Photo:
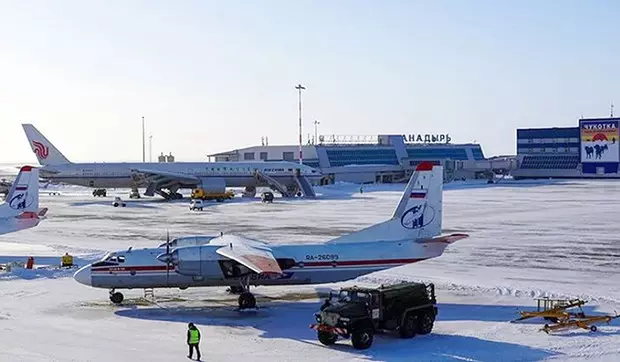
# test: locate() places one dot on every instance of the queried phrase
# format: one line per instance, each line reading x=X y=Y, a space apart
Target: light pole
x=299 y=87
x=151 y=148
x=316 y=140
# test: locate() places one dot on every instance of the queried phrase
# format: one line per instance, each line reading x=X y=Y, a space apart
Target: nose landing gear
x=116 y=297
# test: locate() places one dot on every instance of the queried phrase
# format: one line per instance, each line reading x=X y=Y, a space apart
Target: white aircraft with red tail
x=21 y=209
x=412 y=234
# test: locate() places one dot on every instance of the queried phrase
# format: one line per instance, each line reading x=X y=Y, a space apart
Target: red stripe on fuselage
x=306 y=264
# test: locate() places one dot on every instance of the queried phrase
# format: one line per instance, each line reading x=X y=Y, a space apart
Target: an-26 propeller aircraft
x=412 y=234
x=21 y=208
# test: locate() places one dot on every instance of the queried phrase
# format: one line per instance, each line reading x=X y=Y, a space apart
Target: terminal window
x=288 y=156
x=263 y=155
x=248 y=156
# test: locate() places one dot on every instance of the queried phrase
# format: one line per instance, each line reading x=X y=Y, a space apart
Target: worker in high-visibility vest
x=193 y=339
x=67 y=260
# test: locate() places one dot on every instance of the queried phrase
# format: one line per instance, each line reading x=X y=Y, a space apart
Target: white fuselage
x=234 y=174
x=301 y=264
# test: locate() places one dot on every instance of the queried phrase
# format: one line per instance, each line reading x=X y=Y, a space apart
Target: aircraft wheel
x=117 y=298
x=593 y=328
x=247 y=301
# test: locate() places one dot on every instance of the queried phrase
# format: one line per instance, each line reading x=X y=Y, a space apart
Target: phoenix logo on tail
x=40 y=149
x=21 y=201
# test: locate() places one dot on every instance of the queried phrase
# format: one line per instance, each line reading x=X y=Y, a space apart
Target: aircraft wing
x=257 y=258
x=167 y=177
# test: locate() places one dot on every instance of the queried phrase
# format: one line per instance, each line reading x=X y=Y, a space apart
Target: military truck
x=359 y=313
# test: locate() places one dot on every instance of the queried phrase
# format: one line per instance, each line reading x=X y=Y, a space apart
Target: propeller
x=167 y=256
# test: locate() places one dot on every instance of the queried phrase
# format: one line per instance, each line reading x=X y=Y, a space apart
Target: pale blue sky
x=215 y=75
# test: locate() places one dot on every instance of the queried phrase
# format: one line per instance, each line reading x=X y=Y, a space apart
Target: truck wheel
x=362 y=339
x=327 y=338
x=425 y=323
x=409 y=327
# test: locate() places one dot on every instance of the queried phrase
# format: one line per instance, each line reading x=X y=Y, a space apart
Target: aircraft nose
x=83 y=275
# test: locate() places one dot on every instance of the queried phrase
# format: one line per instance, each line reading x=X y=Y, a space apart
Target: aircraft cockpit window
x=121 y=259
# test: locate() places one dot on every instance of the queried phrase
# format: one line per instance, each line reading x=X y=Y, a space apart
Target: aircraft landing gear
x=116 y=297
x=246 y=299
x=134 y=194
x=235 y=289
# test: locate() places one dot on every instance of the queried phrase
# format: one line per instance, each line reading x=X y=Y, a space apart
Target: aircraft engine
x=194 y=261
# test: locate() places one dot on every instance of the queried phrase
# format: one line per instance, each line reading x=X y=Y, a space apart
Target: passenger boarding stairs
x=272 y=183
x=305 y=186
x=302 y=182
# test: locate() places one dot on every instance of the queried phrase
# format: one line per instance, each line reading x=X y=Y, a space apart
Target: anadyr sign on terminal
x=427 y=138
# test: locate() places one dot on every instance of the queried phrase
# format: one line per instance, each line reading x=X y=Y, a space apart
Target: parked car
x=99 y=193
x=118 y=202
x=196 y=204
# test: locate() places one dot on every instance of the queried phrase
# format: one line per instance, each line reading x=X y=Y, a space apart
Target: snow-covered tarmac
x=527 y=239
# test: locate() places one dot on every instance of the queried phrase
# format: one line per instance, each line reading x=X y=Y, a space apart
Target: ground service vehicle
x=359 y=313
x=196 y=205
x=201 y=194
x=99 y=192
x=267 y=197
x=118 y=202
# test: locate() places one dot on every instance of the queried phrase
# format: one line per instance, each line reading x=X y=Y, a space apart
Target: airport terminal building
x=590 y=150
x=371 y=159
